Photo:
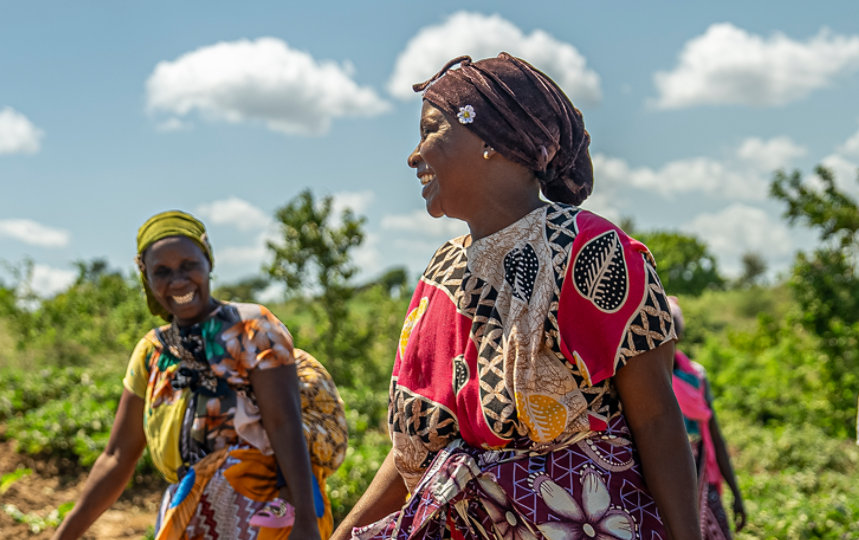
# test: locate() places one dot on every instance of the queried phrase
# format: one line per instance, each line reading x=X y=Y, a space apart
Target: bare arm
x=727 y=471
x=111 y=471
x=385 y=494
x=651 y=410
x=279 y=401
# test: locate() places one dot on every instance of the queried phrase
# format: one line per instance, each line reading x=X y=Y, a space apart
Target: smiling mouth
x=184 y=299
x=426 y=178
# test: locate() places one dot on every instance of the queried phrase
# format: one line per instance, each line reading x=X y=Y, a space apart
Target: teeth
x=426 y=179
x=184 y=299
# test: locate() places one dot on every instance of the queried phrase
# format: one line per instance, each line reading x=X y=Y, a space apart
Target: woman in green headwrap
x=233 y=415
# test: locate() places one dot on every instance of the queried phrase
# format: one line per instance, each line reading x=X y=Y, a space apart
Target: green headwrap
x=170 y=223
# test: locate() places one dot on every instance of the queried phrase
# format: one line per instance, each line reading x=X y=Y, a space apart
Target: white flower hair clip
x=466 y=114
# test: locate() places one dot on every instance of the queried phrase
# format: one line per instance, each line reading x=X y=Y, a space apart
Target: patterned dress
x=693 y=396
x=504 y=419
x=203 y=429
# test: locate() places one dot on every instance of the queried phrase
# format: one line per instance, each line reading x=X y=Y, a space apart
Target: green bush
x=791 y=445
x=63 y=412
x=24 y=391
x=365 y=455
x=796 y=481
x=74 y=422
x=102 y=312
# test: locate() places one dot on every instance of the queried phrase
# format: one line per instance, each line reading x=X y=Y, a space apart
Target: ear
x=488 y=151
x=140 y=266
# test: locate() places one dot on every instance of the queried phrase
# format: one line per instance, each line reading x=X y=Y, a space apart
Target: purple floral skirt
x=589 y=489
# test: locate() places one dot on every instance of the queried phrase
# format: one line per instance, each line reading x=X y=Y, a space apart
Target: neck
x=210 y=308
x=500 y=214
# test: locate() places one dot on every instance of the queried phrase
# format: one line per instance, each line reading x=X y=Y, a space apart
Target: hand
x=739 y=513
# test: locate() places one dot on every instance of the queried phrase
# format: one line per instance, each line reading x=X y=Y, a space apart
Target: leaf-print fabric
x=509 y=346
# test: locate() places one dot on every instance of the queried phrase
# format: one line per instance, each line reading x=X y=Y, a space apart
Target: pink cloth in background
x=694 y=406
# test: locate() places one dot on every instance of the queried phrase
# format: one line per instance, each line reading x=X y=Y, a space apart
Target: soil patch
x=49 y=486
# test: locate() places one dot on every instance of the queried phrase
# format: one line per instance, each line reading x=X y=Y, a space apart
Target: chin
x=194 y=313
x=435 y=212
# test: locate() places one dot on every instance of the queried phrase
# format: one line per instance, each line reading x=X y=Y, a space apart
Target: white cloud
x=260 y=81
x=34 y=233
x=846 y=174
x=770 y=155
x=415 y=236
x=368 y=259
x=605 y=203
x=739 y=229
x=17 y=134
x=482 y=36
x=419 y=223
x=850 y=146
x=234 y=212
x=729 y=66
x=47 y=281
x=173 y=124
x=745 y=175
x=255 y=226
x=250 y=257
x=357 y=201
x=273 y=293
x=699 y=174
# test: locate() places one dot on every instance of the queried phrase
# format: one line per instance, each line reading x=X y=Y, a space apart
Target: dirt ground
x=45 y=489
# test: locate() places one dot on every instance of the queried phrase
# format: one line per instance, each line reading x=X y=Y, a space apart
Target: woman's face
x=447 y=160
x=178 y=275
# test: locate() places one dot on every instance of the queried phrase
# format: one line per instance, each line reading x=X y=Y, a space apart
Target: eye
x=426 y=129
x=161 y=272
x=189 y=266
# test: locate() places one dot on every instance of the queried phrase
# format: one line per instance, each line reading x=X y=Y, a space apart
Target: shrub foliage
x=782 y=358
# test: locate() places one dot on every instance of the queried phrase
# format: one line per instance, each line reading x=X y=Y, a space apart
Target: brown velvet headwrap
x=521 y=113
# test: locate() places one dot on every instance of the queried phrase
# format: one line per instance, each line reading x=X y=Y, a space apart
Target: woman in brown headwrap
x=531 y=392
x=229 y=409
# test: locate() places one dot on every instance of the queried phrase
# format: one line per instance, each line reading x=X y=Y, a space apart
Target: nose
x=414 y=158
x=179 y=277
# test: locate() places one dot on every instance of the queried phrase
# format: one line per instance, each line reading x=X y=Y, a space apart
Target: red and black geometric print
x=652 y=324
x=561 y=232
x=417 y=416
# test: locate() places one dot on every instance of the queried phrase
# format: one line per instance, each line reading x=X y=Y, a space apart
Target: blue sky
x=110 y=112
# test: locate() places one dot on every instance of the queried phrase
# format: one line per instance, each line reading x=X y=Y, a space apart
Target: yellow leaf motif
x=583 y=368
x=411 y=320
x=544 y=416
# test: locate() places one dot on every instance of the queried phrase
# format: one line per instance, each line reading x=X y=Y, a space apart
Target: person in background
x=224 y=403
x=531 y=391
x=708 y=446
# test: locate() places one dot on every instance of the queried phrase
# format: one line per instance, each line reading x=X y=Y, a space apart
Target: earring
x=486 y=152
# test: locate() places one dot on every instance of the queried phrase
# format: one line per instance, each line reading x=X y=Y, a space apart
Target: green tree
x=825 y=282
x=7 y=300
x=102 y=311
x=394 y=282
x=754 y=268
x=312 y=258
x=684 y=263
x=244 y=290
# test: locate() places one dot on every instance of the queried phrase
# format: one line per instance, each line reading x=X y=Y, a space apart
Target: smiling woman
x=244 y=426
x=531 y=392
x=177 y=271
